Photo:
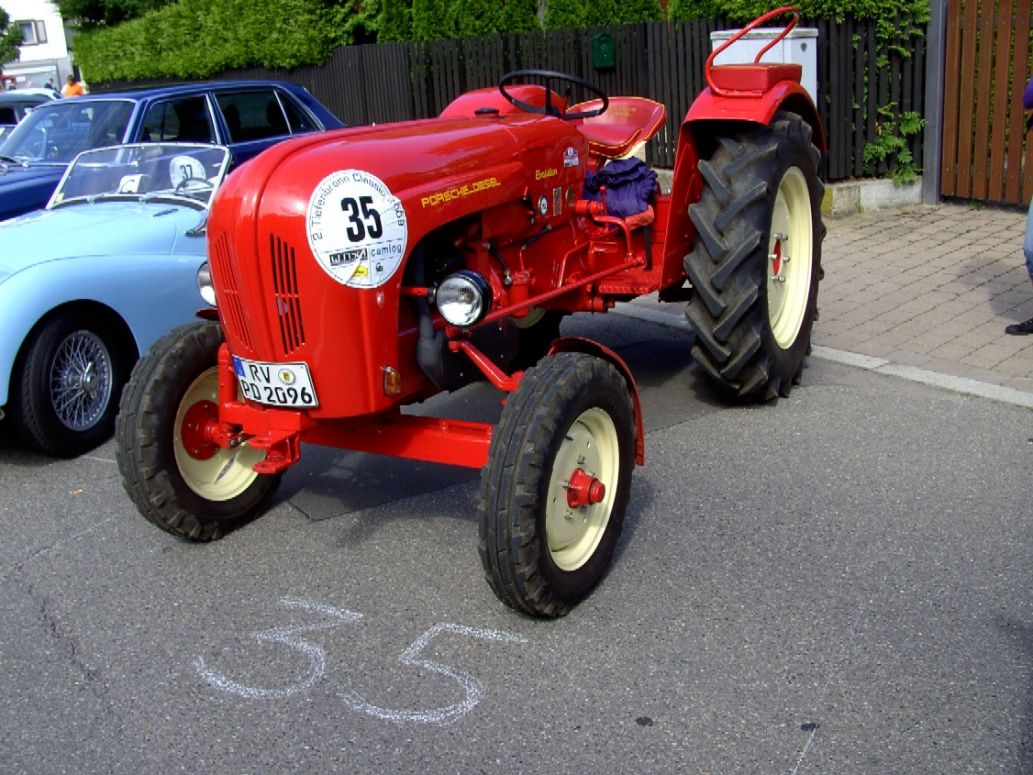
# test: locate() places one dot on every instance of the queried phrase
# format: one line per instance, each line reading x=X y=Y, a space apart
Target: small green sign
x=603 y=51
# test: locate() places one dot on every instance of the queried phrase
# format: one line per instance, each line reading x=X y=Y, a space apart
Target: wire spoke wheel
x=66 y=381
x=81 y=380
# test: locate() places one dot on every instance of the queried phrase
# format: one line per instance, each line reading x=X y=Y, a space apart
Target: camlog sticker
x=356 y=228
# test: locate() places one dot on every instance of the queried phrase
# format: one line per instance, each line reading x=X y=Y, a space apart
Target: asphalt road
x=839 y=583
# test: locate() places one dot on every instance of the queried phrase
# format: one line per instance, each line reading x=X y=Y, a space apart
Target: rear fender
x=577 y=344
x=760 y=109
x=710 y=117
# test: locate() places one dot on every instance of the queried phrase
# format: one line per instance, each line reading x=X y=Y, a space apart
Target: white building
x=44 y=50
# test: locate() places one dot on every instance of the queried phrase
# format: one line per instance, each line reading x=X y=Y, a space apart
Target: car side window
x=297 y=117
x=252 y=115
x=185 y=120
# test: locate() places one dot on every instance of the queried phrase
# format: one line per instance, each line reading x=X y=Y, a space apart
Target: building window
x=33 y=32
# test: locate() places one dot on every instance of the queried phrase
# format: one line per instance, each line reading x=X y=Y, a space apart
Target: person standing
x=73 y=88
x=1026 y=326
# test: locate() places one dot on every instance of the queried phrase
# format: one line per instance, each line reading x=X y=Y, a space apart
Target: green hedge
x=883 y=12
x=198 y=38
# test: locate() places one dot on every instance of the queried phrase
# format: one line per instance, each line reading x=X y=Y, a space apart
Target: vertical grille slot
x=288 y=300
x=231 y=308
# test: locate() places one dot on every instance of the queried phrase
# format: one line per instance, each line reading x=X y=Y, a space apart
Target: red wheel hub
x=199 y=425
x=776 y=259
x=584 y=489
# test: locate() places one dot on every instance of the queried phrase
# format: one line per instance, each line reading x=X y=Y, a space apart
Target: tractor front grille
x=287 y=298
x=229 y=291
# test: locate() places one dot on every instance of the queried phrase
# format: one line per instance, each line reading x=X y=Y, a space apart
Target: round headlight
x=204 y=284
x=463 y=298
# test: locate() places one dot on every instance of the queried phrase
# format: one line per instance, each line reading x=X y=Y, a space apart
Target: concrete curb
x=854 y=196
x=848 y=197
x=948 y=382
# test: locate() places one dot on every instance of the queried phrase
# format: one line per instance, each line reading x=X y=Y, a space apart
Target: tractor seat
x=755 y=78
x=627 y=123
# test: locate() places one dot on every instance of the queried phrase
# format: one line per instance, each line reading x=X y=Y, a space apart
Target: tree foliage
x=884 y=12
x=430 y=20
x=355 y=21
x=520 y=15
x=10 y=39
x=395 y=22
x=561 y=14
x=198 y=38
x=90 y=14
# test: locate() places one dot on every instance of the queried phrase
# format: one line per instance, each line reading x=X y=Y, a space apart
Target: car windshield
x=56 y=131
x=145 y=171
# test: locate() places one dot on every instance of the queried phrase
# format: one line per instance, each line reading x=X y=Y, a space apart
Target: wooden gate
x=986 y=154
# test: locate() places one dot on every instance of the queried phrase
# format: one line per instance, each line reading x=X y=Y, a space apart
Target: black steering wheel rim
x=548 y=76
x=191 y=179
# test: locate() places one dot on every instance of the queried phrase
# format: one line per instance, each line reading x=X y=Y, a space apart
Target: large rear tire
x=757 y=261
x=556 y=485
x=194 y=491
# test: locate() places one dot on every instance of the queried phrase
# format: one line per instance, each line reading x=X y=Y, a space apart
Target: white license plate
x=276 y=384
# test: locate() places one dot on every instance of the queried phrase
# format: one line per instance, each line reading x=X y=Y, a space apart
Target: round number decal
x=183 y=168
x=356 y=228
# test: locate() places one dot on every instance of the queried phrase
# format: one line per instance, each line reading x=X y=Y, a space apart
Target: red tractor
x=361 y=271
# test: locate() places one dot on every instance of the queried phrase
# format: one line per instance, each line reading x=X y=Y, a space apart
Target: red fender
x=577 y=344
x=759 y=109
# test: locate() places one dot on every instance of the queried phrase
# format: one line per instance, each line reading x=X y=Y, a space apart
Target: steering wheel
x=189 y=182
x=549 y=109
x=36 y=145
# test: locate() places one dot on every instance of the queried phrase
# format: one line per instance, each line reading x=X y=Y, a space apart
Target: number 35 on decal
x=362 y=218
x=314 y=657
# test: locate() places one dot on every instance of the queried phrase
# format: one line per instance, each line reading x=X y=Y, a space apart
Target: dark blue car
x=246 y=116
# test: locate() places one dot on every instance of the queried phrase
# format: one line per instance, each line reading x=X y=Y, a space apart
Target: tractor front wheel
x=757 y=260
x=556 y=485
x=185 y=485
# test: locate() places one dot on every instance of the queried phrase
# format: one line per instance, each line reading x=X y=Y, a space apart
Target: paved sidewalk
x=922 y=292
x=930 y=287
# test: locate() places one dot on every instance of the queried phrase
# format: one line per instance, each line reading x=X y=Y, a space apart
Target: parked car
x=15 y=105
x=88 y=283
x=246 y=116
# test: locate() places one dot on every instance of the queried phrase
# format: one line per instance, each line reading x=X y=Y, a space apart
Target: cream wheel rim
x=591 y=445
x=790 y=253
x=228 y=472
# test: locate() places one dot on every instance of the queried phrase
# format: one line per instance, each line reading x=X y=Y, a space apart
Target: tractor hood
x=309 y=241
x=437 y=169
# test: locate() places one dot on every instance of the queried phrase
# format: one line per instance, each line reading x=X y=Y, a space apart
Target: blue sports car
x=114 y=261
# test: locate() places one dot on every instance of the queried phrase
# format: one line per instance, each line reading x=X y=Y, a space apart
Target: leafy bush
x=198 y=38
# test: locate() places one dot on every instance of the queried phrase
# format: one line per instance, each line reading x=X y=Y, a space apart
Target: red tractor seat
x=754 y=78
x=627 y=123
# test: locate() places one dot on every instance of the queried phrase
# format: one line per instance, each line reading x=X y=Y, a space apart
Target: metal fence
x=660 y=60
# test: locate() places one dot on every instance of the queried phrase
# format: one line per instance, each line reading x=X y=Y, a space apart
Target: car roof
x=180 y=88
x=22 y=98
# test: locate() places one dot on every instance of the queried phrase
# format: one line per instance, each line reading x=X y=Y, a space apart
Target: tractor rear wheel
x=757 y=260
x=556 y=485
x=185 y=485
